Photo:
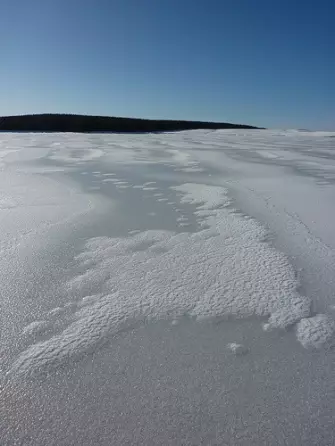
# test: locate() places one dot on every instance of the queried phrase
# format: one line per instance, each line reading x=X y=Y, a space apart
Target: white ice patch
x=267 y=154
x=109 y=180
x=192 y=169
x=226 y=269
x=315 y=331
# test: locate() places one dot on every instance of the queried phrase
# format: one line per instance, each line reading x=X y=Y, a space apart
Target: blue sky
x=268 y=63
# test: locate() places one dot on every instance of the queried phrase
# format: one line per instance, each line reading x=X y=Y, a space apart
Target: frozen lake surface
x=167 y=289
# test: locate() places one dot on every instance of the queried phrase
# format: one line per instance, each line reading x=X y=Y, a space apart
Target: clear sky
x=264 y=62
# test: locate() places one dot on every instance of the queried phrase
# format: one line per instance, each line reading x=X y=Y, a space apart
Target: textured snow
x=315 y=331
x=223 y=270
x=121 y=255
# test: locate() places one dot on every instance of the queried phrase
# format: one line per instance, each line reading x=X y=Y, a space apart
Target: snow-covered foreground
x=167 y=289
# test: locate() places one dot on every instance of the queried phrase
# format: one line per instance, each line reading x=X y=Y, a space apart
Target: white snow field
x=167 y=289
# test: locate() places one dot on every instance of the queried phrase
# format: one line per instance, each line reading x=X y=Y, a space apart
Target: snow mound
x=315 y=331
x=225 y=269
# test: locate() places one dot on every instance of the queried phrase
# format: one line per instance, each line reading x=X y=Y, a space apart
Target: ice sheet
x=104 y=237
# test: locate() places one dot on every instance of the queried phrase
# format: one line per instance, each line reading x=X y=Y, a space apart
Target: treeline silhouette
x=84 y=123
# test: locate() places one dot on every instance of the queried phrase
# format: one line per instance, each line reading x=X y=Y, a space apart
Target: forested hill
x=84 y=123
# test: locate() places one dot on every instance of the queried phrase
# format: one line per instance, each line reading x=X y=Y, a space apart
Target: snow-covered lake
x=167 y=289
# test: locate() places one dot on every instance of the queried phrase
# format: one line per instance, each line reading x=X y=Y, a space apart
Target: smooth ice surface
x=208 y=253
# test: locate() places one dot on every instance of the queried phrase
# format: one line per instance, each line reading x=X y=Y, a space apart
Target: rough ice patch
x=81 y=337
x=7 y=203
x=56 y=311
x=237 y=349
x=76 y=154
x=225 y=269
x=315 y=331
x=206 y=197
x=35 y=328
x=184 y=224
x=192 y=169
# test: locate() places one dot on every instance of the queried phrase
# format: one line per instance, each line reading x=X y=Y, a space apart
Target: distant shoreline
x=95 y=124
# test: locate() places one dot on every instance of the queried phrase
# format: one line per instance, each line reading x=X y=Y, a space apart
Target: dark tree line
x=83 y=123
